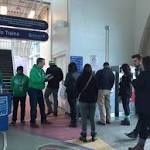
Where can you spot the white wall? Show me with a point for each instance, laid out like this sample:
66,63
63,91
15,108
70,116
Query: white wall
60,34
88,19
142,13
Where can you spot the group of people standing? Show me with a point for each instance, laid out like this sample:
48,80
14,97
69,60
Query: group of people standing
87,88
34,85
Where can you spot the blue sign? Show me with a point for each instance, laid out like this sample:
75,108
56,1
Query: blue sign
3,106
23,22
78,60
5,110
23,34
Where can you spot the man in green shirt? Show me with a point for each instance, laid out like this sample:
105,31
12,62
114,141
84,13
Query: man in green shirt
19,85
36,85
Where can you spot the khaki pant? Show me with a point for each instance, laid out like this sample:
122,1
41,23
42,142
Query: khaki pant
104,105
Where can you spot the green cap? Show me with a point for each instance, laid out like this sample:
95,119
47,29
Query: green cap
51,62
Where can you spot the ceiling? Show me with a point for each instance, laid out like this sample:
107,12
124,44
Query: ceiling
22,8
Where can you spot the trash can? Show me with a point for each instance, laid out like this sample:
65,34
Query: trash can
5,110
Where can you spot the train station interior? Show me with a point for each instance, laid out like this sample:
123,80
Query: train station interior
64,31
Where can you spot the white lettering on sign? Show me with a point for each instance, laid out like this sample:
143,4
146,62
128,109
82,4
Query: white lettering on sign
12,33
3,106
32,35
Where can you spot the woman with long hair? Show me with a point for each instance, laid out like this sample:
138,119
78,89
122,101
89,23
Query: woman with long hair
125,92
70,83
87,91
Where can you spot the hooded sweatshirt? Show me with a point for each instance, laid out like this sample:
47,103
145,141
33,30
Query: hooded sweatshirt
37,78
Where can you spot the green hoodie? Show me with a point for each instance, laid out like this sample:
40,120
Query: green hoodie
37,78
19,85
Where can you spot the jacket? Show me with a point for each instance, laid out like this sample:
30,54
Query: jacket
70,83
142,93
125,84
19,85
105,79
57,74
37,78
89,95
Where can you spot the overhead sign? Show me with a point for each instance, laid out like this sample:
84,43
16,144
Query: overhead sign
23,22
78,60
23,34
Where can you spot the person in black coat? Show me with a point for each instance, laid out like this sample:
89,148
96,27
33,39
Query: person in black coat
53,86
70,83
125,92
137,61
88,91
142,92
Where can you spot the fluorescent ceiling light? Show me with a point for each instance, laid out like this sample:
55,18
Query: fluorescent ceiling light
23,41
31,14
3,10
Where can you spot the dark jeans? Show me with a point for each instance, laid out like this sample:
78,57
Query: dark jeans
48,92
125,103
36,97
145,126
87,110
16,100
73,110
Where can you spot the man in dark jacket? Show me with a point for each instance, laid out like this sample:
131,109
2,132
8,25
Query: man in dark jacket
137,62
53,86
105,80
142,92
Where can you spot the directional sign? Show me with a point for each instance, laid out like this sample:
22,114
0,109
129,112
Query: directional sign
23,22
23,34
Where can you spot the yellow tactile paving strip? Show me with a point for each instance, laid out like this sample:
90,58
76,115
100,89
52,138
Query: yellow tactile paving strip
97,145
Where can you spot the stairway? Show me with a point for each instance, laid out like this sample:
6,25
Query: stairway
6,67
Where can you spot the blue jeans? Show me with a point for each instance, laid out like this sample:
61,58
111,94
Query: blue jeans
36,97
87,111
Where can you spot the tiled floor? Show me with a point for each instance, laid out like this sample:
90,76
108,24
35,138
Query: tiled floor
112,134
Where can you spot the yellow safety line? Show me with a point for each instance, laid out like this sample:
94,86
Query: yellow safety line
97,145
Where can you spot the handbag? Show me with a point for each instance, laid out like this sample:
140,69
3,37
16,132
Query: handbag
62,92
85,87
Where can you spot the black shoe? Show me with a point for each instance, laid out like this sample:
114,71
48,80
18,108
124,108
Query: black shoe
108,122
100,123
137,147
125,122
22,123
132,135
33,125
73,125
93,138
13,123
48,113
55,114
83,138
45,122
